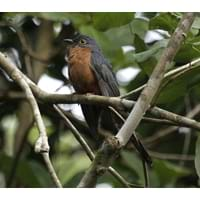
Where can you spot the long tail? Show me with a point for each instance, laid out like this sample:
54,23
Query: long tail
134,140
141,149
109,121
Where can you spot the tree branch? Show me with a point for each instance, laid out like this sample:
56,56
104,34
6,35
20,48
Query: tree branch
156,78
115,102
167,156
106,154
86,147
164,132
172,74
41,145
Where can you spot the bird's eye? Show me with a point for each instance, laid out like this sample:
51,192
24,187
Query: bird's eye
82,41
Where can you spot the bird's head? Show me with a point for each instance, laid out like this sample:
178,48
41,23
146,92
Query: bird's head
82,41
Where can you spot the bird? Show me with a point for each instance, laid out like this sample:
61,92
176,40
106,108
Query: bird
91,73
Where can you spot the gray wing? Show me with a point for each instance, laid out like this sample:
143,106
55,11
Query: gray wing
104,74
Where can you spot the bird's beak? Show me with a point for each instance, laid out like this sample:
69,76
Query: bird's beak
68,41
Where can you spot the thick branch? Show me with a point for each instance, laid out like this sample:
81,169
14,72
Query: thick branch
116,102
102,158
169,118
156,78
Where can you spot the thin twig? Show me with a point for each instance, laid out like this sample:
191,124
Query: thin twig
171,75
188,134
75,132
152,140
146,174
86,147
51,169
167,156
41,145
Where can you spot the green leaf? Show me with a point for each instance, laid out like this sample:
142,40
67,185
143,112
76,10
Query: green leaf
196,23
77,18
148,59
172,92
111,50
168,173
145,55
26,173
177,88
139,44
132,161
42,174
104,21
165,21
69,167
140,27
187,53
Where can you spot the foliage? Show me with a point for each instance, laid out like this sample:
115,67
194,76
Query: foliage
145,35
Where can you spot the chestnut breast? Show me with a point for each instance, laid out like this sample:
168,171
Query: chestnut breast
80,72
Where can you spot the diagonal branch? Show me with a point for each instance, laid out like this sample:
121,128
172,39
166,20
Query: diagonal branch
150,91
109,149
41,145
87,149
172,74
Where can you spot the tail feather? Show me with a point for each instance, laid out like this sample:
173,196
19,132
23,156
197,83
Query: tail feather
141,150
110,122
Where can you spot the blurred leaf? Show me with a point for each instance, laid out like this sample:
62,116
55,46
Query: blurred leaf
70,166
26,172
145,55
177,88
147,60
196,23
77,18
133,162
187,53
121,36
172,92
104,21
139,44
165,21
34,134
168,173
139,27
149,14
9,124
42,174
111,50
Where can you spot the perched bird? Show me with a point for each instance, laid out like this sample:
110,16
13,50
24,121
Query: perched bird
90,72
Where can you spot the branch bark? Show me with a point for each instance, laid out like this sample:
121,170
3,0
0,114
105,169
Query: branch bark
41,145
105,157
172,74
116,102
156,78
86,147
